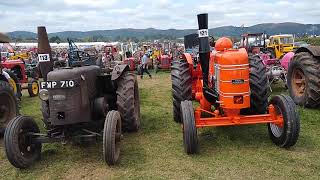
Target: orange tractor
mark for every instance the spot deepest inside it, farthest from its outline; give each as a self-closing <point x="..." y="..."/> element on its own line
<point x="231" y="92"/>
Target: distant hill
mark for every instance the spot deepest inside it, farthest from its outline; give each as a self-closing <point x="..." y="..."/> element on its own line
<point x="151" y="33"/>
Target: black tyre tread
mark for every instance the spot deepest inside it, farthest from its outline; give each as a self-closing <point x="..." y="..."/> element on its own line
<point x="31" y="94"/>
<point x="190" y="138"/>
<point x="311" y="69"/>
<point x="12" y="150"/>
<point x="295" y="117"/>
<point x="258" y="87"/>
<point x="109" y="149"/>
<point x="292" y="122"/>
<point x="6" y="88"/>
<point x="127" y="87"/>
<point x="181" y="86"/>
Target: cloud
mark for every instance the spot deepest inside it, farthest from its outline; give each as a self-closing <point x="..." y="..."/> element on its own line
<point x="84" y="15"/>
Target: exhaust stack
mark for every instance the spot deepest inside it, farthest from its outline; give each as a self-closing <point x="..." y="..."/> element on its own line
<point x="204" y="55"/>
<point x="44" y="52"/>
<point x="204" y="47"/>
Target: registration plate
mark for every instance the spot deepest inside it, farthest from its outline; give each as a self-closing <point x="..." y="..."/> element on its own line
<point x="57" y="84"/>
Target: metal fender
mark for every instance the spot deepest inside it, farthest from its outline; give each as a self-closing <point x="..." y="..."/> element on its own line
<point x="285" y="61"/>
<point x="118" y="70"/>
<point x="314" y="50"/>
<point x="188" y="57"/>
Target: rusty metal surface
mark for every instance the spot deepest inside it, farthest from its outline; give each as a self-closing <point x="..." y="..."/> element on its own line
<point x="117" y="71"/>
<point x="314" y="50"/>
<point x="76" y="106"/>
<point x="44" y="48"/>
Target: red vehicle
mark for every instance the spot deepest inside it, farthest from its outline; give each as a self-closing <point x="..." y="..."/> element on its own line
<point x="232" y="92"/>
<point x="163" y="62"/>
<point x="18" y="68"/>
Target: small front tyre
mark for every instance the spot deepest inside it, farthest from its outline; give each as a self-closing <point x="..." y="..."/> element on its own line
<point x="112" y="137"/>
<point x="190" y="138"/>
<point x="20" y="148"/>
<point x="287" y="135"/>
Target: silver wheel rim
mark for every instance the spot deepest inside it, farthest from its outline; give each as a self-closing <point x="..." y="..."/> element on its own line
<point x="275" y="129"/>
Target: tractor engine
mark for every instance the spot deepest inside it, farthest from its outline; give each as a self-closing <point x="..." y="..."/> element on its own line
<point x="228" y="70"/>
<point x="71" y="93"/>
<point x="231" y="76"/>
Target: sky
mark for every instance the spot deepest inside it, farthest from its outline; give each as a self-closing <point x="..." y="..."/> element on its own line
<point x="86" y="15"/>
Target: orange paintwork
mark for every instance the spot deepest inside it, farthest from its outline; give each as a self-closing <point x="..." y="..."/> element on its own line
<point x="223" y="44"/>
<point x="234" y="120"/>
<point x="187" y="57"/>
<point x="196" y="73"/>
<point x="229" y="76"/>
<point x="232" y="72"/>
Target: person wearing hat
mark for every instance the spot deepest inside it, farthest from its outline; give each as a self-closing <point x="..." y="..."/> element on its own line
<point x="144" y="64"/>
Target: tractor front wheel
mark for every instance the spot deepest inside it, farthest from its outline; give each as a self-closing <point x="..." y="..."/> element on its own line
<point x="33" y="88"/>
<point x="287" y="135"/>
<point x="190" y="137"/>
<point x="20" y="148"/>
<point x="112" y="137"/>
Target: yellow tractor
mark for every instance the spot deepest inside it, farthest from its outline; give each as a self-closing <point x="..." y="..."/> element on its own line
<point x="23" y="56"/>
<point x="279" y="45"/>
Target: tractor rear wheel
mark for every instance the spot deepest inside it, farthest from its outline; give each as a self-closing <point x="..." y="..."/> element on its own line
<point x="33" y="88"/>
<point x="128" y="101"/>
<point x="112" y="137"/>
<point x="304" y="80"/>
<point x="181" y="86"/>
<point x="20" y="149"/>
<point x="287" y="135"/>
<point x="258" y="87"/>
<point x="8" y="105"/>
<point x="190" y="137"/>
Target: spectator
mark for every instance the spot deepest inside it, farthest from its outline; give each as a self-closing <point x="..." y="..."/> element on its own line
<point x="144" y="64"/>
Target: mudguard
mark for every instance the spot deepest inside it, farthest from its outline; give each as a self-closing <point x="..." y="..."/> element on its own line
<point x="118" y="70"/>
<point x="314" y="50"/>
<point x="188" y="57"/>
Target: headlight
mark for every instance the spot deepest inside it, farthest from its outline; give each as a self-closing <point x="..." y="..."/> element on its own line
<point x="44" y="95"/>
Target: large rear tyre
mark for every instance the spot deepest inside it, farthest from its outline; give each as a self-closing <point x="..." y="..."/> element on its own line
<point x="190" y="138"/>
<point x="8" y="105"/>
<point x="181" y="86"/>
<point x="128" y="101"/>
<point x="112" y="137"/>
<point x="287" y="135"/>
<point x="20" y="149"/>
<point x="258" y="87"/>
<point x="303" y="80"/>
<point x="33" y="88"/>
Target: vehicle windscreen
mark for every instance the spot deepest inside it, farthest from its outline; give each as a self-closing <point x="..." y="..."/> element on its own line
<point x="255" y="41"/>
<point x="286" y="40"/>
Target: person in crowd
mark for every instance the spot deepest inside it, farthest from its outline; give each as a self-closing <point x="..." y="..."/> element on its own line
<point x="144" y="65"/>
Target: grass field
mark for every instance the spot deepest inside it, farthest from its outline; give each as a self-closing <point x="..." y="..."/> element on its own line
<point x="156" y="151"/>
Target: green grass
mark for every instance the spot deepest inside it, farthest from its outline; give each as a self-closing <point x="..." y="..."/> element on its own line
<point x="156" y="151"/>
